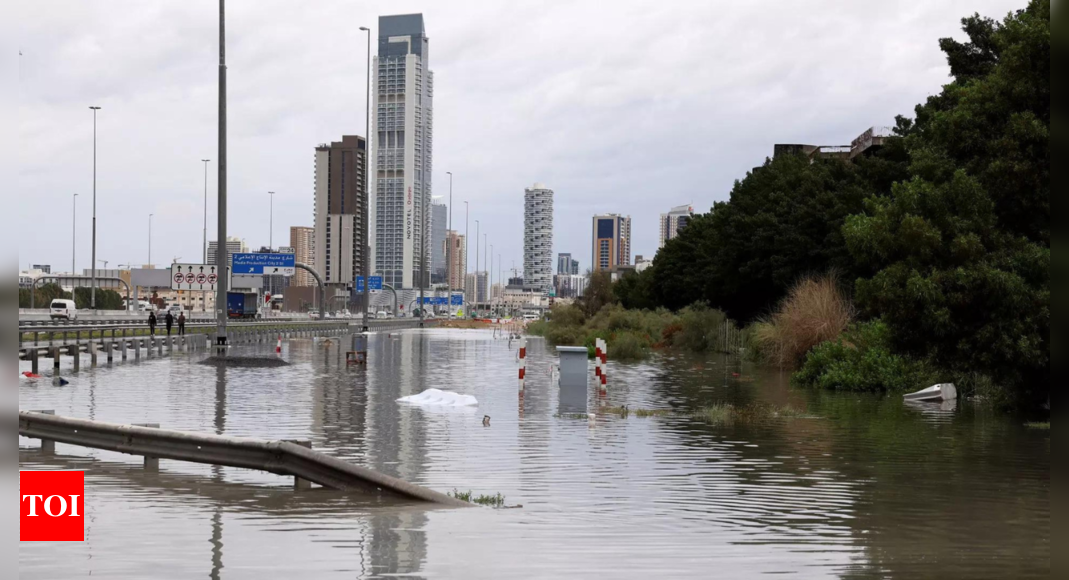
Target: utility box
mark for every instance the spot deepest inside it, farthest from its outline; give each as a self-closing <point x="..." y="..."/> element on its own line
<point x="574" y="365"/>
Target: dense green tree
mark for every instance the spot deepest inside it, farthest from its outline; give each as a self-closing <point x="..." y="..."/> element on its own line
<point x="106" y="299"/>
<point x="42" y="297"/>
<point x="784" y="221"/>
<point x="598" y="293"/>
<point x="963" y="247"/>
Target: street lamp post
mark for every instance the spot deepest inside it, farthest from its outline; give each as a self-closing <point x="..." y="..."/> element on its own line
<point x="476" y="261"/>
<point x="74" y="236"/>
<point x="365" y="263"/>
<point x="204" y="242"/>
<point x="449" y="247"/>
<point x="490" y="281"/>
<point x="220" y="256"/>
<point x="150" y="239"/>
<point x="467" y="257"/>
<point x="486" y="264"/>
<point x="271" y="223"/>
<point x="93" y="288"/>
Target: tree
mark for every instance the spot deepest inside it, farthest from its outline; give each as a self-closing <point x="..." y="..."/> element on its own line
<point x="961" y="251"/>
<point x="43" y="295"/>
<point x="105" y="299"/>
<point x="783" y="222"/>
<point x="598" y="292"/>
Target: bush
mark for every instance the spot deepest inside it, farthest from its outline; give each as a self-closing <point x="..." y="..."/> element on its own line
<point x="564" y="335"/>
<point x="537" y="328"/>
<point x="814" y="311"/>
<point x="861" y="360"/>
<point x="700" y="325"/>
<point x="628" y="346"/>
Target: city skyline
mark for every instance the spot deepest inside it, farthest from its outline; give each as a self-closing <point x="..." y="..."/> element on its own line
<point x="159" y="93"/>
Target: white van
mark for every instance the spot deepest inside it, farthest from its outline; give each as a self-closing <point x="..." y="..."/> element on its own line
<point x="382" y="314"/>
<point x="62" y="309"/>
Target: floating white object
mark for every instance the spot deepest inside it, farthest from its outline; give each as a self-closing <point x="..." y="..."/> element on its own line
<point x="437" y="398"/>
<point x="935" y="393"/>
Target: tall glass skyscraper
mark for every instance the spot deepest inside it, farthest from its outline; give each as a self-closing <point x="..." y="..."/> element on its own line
<point x="401" y="129"/>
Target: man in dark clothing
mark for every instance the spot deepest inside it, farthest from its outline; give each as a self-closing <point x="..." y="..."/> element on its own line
<point x="169" y="320"/>
<point x="152" y="323"/>
<point x="181" y="324"/>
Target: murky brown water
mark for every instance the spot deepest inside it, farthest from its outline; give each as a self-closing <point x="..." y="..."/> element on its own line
<point x="869" y="489"/>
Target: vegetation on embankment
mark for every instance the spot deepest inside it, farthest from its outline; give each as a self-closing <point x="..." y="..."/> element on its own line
<point x="1039" y="426"/>
<point x="44" y="294"/>
<point x="719" y="414"/>
<point x="633" y="334"/>
<point x="941" y="237"/>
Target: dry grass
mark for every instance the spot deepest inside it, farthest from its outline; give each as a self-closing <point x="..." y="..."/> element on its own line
<point x="814" y="311"/>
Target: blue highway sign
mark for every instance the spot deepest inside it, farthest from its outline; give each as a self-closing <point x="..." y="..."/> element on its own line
<point x="275" y="264"/>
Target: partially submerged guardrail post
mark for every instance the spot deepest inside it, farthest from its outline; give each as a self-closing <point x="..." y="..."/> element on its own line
<point x="298" y="483"/>
<point x="55" y="360"/>
<point x="152" y="464"/>
<point x="34" y="363"/>
<point x="92" y="347"/>
<point x="76" y="353"/>
<point x="48" y="447"/>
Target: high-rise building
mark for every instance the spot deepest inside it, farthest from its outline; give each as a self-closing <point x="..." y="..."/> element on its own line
<point x="302" y="240"/>
<point x="457" y="256"/>
<point x="566" y="265"/>
<point x="439" y="224"/>
<point x="538" y="238"/>
<point x="339" y="209"/>
<point x="401" y="126"/>
<point x="612" y="242"/>
<point x="233" y="246"/>
<point x="674" y="221"/>
<point x="274" y="284"/>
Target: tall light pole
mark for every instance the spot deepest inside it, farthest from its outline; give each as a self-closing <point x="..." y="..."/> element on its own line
<point x="490" y="280"/>
<point x="476" y="261"/>
<point x="365" y="263"/>
<point x="93" y="288"/>
<point x="74" y="236"/>
<point x="150" y="239"/>
<point x="271" y="223"/>
<point x="467" y="257"/>
<point x="220" y="256"/>
<point x="449" y="246"/>
<point x="486" y="264"/>
<point x="204" y="243"/>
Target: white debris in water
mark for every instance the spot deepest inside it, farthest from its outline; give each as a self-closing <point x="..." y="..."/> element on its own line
<point x="437" y="398"/>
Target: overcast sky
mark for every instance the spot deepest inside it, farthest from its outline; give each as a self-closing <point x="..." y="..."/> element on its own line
<point x="627" y="106"/>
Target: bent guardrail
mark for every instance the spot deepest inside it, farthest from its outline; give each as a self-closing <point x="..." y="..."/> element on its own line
<point x="279" y="457"/>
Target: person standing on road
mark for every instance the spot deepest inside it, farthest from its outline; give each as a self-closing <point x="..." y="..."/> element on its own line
<point x="181" y="324"/>
<point x="169" y="320"/>
<point x="152" y="323"/>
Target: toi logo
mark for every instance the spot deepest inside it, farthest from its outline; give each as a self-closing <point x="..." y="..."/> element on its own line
<point x="52" y="506"/>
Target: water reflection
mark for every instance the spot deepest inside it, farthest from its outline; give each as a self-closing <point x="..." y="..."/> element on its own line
<point x="870" y="489"/>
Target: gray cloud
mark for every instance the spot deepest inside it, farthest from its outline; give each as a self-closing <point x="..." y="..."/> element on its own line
<point x="628" y="107"/>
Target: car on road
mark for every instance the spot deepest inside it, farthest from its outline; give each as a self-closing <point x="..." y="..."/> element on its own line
<point x="382" y="314"/>
<point x="61" y="309"/>
<point x="313" y="314"/>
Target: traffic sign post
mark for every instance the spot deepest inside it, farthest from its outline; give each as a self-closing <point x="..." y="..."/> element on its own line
<point x="376" y="283"/>
<point x="269" y="264"/>
<point x="197" y="277"/>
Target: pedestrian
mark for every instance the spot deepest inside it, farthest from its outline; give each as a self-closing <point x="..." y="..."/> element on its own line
<point x="169" y="320"/>
<point x="181" y="323"/>
<point x="152" y="323"/>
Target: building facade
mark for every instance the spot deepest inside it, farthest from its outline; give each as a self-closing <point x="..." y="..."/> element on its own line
<point x="439" y="224"/>
<point x="612" y="242"/>
<point x="566" y="265"/>
<point x="302" y="240"/>
<point x="674" y="221"/>
<point x="401" y="126"/>
<point x="457" y="255"/>
<point x="538" y="238"/>
<point x="233" y="246"/>
<point x="340" y="196"/>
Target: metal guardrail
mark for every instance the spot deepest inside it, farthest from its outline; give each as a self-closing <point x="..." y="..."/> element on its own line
<point x="279" y="457"/>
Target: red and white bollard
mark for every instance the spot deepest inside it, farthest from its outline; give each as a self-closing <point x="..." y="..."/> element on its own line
<point x="523" y="363"/>
<point x="278" y="349"/>
<point x="601" y="356"/>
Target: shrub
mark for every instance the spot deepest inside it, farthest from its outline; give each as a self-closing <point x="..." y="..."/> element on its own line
<point x="861" y="360"/>
<point x="564" y="335"/>
<point x="628" y="346"/>
<point x="700" y="324"/>
<point x="814" y="311"/>
<point x="537" y="328"/>
<point x="570" y="315"/>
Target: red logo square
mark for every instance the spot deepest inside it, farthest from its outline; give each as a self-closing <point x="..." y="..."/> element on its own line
<point x="52" y="506"/>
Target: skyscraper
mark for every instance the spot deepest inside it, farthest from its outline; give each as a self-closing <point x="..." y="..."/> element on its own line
<point x="401" y="125"/>
<point x="566" y="265"/>
<point x="339" y="204"/>
<point x="439" y="223"/>
<point x="233" y="246"/>
<point x="302" y="240"/>
<point x="673" y="221"/>
<point x="612" y="242"/>
<point x="458" y="254"/>
<point x="538" y="238"/>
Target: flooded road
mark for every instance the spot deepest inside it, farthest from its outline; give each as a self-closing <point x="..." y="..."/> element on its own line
<point x="864" y="488"/>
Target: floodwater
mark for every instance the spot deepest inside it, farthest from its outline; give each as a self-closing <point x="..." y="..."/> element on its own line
<point x="864" y="488"/>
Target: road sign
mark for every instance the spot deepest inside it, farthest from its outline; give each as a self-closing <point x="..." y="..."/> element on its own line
<point x="376" y="283"/>
<point x="270" y="264"/>
<point x="197" y="277"/>
<point x="458" y="300"/>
